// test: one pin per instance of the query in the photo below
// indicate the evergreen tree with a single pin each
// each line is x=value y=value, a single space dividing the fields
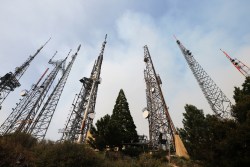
x=204 y=136
x=237 y=144
x=193 y=133
x=100 y=133
x=121 y=125
x=220 y=142
x=116 y=129
x=241 y=110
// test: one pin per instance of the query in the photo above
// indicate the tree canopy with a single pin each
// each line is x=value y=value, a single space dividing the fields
x=220 y=142
x=122 y=121
x=241 y=109
x=117 y=129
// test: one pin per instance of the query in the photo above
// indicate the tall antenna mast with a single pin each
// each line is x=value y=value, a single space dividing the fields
x=24 y=113
x=41 y=124
x=162 y=131
x=241 y=67
x=14 y=118
x=10 y=81
x=83 y=110
x=217 y=100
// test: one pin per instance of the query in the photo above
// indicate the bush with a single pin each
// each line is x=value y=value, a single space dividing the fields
x=147 y=160
x=181 y=161
x=132 y=151
x=16 y=149
x=67 y=154
x=160 y=155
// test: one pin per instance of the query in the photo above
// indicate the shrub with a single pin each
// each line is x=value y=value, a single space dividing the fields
x=132 y=151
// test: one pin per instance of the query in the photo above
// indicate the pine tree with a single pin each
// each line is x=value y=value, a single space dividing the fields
x=193 y=131
x=116 y=129
x=121 y=124
x=241 y=110
x=237 y=144
x=100 y=136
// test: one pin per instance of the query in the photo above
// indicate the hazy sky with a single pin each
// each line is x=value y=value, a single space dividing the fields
x=202 y=26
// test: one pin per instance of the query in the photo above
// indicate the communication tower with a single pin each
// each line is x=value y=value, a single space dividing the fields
x=25 y=111
x=162 y=132
x=83 y=110
x=10 y=81
x=217 y=100
x=241 y=67
x=41 y=124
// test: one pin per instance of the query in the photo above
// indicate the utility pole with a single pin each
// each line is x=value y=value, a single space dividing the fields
x=10 y=81
x=241 y=67
x=24 y=113
x=217 y=100
x=162 y=131
x=41 y=124
x=82 y=113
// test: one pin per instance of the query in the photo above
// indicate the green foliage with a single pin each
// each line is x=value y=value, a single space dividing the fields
x=204 y=136
x=67 y=154
x=28 y=152
x=16 y=149
x=216 y=133
x=146 y=160
x=161 y=155
x=193 y=133
x=236 y=147
x=177 y=161
x=241 y=110
x=100 y=134
x=132 y=151
x=240 y=93
x=113 y=155
x=122 y=121
x=116 y=129
x=23 y=150
x=115 y=135
x=220 y=142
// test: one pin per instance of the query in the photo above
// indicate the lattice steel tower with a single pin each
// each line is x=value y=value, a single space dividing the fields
x=83 y=109
x=217 y=100
x=41 y=124
x=162 y=131
x=241 y=67
x=24 y=113
x=10 y=81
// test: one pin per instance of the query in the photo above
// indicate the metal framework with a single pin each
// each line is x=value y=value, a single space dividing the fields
x=161 y=127
x=24 y=113
x=41 y=124
x=241 y=67
x=10 y=81
x=82 y=112
x=217 y=100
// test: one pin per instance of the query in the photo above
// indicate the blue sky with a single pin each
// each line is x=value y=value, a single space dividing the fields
x=203 y=27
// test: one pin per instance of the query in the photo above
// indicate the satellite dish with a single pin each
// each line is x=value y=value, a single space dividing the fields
x=152 y=90
x=145 y=114
x=24 y=92
x=91 y=115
